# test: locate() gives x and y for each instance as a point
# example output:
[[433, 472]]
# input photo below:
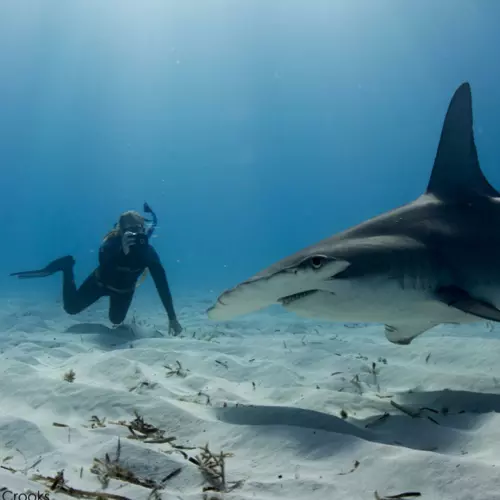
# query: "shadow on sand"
[[453, 414], [104, 335]]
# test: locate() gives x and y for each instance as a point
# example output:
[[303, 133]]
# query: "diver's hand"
[[128, 240], [174, 327]]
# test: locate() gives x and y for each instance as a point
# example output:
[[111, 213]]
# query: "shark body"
[[432, 261]]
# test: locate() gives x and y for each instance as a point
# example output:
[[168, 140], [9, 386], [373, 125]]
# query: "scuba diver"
[[125, 254]]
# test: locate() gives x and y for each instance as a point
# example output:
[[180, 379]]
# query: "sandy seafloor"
[[299, 405]]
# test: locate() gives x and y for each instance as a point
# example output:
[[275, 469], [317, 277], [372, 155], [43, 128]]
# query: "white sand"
[[286, 431]]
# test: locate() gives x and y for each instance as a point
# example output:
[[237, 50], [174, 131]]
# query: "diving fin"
[[60, 264], [41, 273], [460, 299]]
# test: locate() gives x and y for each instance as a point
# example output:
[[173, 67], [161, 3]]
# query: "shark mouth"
[[296, 296]]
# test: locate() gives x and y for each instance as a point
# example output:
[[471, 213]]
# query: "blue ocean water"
[[253, 128]]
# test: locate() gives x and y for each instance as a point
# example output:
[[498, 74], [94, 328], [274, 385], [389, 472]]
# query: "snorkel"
[[152, 223]]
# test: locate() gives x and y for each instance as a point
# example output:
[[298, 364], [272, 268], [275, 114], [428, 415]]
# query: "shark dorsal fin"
[[456, 174]]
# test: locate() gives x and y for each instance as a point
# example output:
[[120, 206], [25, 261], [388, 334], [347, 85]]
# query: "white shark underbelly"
[[376, 301]]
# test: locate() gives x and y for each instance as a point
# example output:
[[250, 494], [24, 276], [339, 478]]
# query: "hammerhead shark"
[[433, 261]]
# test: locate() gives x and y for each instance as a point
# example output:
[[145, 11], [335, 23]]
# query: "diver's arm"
[[160, 279]]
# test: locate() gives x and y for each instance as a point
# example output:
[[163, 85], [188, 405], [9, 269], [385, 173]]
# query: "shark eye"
[[317, 261]]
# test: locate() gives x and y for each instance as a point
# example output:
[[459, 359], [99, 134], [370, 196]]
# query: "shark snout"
[[255, 294]]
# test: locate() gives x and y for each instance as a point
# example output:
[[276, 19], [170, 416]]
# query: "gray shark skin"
[[432, 261]]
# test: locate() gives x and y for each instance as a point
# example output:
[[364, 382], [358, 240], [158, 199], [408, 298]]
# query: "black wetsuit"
[[116, 277]]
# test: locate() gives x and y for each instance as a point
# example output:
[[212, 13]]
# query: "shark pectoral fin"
[[403, 334], [458, 298]]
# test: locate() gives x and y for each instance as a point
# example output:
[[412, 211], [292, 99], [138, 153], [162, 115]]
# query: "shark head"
[[288, 282]]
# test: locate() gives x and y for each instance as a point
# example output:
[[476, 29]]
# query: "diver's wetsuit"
[[116, 277]]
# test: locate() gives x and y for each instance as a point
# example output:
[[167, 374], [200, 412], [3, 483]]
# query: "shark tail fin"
[[456, 174]]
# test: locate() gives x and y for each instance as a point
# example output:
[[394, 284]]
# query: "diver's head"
[[131, 221]]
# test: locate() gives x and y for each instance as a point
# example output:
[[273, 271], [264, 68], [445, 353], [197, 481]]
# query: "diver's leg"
[[75, 300], [119, 304]]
